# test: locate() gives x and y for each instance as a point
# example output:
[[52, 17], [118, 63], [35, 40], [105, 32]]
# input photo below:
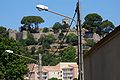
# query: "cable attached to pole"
[[66, 33], [80, 46]]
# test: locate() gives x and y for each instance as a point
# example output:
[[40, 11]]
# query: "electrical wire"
[[66, 32]]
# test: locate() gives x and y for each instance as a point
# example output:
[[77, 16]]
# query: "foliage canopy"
[[93, 22], [12, 66]]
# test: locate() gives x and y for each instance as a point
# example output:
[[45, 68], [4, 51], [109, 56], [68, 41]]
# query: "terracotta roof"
[[73, 65], [44, 70], [67, 68], [103, 41], [51, 68]]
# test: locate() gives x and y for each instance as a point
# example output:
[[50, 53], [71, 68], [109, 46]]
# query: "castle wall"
[[12, 34]]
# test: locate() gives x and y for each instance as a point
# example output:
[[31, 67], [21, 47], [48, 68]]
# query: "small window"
[[45, 77]]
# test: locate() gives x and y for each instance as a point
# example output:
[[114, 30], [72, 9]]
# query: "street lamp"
[[10, 51], [79, 34], [42, 7], [45, 8], [39, 62]]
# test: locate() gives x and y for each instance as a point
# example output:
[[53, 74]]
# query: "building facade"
[[63, 71], [102, 62]]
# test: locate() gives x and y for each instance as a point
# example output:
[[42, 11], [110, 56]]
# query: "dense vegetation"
[[12, 67], [94, 23]]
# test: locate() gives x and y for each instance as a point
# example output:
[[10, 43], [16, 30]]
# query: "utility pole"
[[40, 67], [80, 46]]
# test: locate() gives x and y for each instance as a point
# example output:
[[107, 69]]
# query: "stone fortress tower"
[[16, 35], [24, 34], [12, 34]]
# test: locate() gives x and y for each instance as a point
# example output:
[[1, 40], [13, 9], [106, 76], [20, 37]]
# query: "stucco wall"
[[53, 74], [104, 62]]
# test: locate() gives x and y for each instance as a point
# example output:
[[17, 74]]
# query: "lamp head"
[[42, 7], [9, 51]]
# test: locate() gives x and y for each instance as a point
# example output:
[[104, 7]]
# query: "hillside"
[[47, 41]]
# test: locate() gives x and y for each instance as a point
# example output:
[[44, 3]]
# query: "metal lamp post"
[[39, 62], [79, 34]]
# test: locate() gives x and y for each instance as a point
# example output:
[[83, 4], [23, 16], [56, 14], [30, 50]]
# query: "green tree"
[[40, 50], [30, 39], [50, 38], [90, 42], [72, 39], [53, 78], [56, 27], [33, 50], [45, 45], [3, 31], [31, 21], [45, 30], [12, 66], [68, 54], [41, 39], [64, 27], [23, 42], [49, 59], [61, 35], [106, 26], [92, 21], [47, 40]]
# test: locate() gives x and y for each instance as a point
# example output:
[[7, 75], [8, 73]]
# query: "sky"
[[12, 11]]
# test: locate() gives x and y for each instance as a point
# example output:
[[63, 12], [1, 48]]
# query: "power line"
[[66, 32]]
